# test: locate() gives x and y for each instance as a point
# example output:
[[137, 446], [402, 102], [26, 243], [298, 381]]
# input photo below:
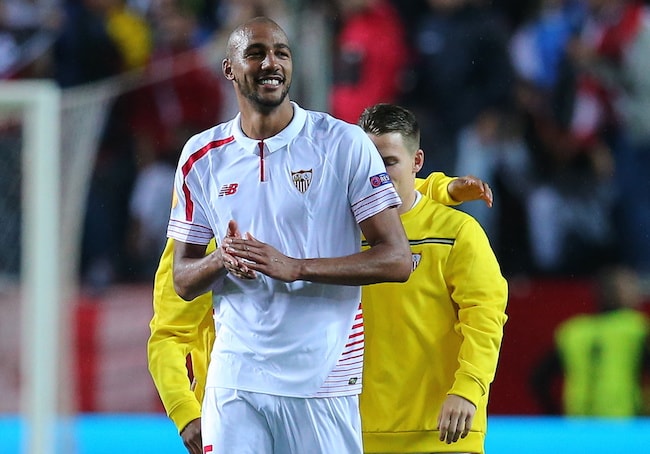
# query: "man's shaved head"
[[240, 35]]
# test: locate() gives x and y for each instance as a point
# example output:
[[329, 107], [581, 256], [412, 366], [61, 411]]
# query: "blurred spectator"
[[538, 45], [9, 52], [599, 357], [181, 94], [182, 97], [370, 57], [149, 206], [99, 39], [462, 72], [210, 14], [568, 198], [463, 93], [612, 112], [130, 31], [494, 147], [570, 209], [84, 50], [27, 32], [23, 16]]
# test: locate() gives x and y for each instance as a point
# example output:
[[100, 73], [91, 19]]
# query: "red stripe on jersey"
[[345, 378], [348, 358], [194, 157], [344, 371], [368, 206], [208, 448], [354, 343], [261, 146]]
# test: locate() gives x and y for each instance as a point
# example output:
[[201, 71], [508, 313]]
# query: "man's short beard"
[[265, 105]]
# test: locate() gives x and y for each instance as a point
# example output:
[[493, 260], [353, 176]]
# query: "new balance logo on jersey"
[[228, 189]]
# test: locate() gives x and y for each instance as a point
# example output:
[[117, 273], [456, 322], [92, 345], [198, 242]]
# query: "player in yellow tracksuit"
[[180, 329], [181, 332], [432, 343]]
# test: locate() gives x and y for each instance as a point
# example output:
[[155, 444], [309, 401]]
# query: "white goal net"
[[48, 141]]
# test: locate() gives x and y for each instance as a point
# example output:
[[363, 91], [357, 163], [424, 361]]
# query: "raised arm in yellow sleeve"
[[178, 329], [454, 190], [435, 186]]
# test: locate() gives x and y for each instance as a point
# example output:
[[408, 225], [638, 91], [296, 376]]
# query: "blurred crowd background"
[[547, 100]]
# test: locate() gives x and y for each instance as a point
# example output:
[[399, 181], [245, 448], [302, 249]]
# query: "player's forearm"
[[482, 330], [381, 263], [196, 276], [481, 294]]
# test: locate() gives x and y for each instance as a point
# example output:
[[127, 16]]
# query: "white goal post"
[[38, 103]]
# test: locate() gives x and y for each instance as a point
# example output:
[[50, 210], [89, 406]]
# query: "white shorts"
[[243, 422]]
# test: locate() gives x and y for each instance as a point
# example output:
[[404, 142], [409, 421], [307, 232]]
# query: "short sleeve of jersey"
[[188, 222], [371, 189]]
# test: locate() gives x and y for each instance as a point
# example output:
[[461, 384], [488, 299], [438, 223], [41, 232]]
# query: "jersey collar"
[[277, 141]]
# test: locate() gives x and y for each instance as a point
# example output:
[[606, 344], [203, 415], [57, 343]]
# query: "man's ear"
[[226, 67], [418, 160]]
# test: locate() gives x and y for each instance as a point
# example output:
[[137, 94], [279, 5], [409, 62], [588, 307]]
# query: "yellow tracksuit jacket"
[[437, 334], [179, 328]]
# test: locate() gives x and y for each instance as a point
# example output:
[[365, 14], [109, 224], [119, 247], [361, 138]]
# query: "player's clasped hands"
[[236, 266], [245, 256]]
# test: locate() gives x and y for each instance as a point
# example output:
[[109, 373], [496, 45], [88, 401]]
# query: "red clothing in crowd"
[[371, 57], [183, 98], [609, 38]]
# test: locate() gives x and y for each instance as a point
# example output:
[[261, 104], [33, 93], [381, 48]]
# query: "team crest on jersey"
[[416, 257], [379, 180], [302, 179]]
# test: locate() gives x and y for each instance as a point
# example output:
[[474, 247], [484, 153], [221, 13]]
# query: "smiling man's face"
[[259, 62]]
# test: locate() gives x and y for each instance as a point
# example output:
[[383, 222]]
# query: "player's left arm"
[[454, 190], [480, 291], [387, 260]]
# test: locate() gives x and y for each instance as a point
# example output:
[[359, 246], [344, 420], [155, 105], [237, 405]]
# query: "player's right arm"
[[177, 330], [194, 271], [454, 190]]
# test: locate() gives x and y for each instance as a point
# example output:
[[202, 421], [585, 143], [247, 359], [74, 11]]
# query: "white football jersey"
[[303, 191]]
